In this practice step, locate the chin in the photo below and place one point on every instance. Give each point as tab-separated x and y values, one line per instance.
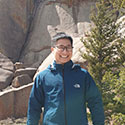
65	61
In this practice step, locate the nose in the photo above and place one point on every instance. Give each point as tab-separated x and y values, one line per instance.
65	50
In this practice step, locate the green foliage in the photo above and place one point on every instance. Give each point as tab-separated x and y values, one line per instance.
104	46
105	53
119	87
119	5
113	93
118	119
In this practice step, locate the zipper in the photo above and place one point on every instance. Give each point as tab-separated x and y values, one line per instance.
64	98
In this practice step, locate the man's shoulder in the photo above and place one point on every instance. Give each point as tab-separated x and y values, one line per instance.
79	68
44	72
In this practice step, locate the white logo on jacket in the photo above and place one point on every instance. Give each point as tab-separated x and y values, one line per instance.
77	86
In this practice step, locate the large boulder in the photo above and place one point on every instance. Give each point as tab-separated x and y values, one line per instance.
29	71
6	63
14	23
14	102
21	80
22	75
6	71
5	78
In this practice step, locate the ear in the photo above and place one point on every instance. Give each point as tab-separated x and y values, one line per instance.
52	49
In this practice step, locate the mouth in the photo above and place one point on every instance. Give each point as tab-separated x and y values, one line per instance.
64	57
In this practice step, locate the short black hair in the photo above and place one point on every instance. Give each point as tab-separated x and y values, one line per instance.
60	35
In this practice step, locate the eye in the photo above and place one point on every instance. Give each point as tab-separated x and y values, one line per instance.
61	47
69	47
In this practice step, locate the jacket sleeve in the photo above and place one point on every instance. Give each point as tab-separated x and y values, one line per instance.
36	102
94	101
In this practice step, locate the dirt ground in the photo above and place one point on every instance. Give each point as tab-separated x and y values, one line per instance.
19	121
13	121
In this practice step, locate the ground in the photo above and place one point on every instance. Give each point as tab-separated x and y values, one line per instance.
19	121
13	121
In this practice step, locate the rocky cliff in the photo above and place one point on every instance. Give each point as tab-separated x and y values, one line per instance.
26	26
14	24
53	17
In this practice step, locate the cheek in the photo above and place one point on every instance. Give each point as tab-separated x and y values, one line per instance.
70	54
57	54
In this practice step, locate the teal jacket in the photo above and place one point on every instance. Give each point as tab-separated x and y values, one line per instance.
64	91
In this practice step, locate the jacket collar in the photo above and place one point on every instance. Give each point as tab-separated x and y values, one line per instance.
66	66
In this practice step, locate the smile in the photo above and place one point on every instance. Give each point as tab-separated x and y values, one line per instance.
64	56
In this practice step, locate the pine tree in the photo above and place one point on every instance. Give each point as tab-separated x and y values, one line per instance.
113	92
105	53
103	44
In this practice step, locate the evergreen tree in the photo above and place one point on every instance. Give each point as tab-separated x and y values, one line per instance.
105	54
103	44
113	92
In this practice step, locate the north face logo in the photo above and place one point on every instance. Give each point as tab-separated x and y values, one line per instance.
77	86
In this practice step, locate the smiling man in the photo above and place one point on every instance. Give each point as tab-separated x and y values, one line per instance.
62	51
64	89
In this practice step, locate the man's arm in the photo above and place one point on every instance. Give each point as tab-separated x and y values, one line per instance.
36	102
94	101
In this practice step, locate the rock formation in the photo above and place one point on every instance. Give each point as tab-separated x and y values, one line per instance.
6	71
14	23
53	17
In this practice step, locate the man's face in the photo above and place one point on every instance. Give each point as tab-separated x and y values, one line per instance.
62	51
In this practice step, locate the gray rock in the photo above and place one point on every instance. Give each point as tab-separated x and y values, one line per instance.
121	29
5	78
29	71
83	27
14	102
6	63
21	80
6	71
14	21
19	65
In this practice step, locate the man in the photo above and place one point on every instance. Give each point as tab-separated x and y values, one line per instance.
64	89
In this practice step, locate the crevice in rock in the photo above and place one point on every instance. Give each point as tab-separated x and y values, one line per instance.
32	7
